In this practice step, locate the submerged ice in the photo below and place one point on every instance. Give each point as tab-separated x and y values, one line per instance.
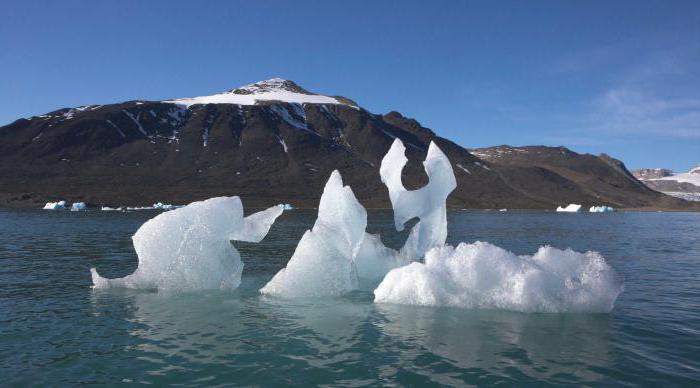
189	248
484	276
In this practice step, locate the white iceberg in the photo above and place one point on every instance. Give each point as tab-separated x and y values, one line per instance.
571	208
484	276
427	203
601	209
114	209
287	206
189	248
163	206
323	262
55	205
78	206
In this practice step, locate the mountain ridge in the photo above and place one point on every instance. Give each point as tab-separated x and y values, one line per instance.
279	144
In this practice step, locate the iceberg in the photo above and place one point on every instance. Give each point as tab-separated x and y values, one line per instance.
287	206
601	209
571	208
189	248
114	209
323	262
484	276
78	206
55	205
162	206
428	203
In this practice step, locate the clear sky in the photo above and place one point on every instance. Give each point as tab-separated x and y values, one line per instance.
620	77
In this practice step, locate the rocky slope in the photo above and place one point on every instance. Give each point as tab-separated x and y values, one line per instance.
272	142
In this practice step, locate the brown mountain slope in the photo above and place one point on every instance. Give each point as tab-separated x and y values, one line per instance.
141	152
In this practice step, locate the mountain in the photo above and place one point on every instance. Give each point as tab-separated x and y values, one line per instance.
273	141
684	185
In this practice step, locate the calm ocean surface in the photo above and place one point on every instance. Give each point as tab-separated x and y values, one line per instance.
54	330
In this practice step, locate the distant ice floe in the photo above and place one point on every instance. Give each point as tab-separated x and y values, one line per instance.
571	208
189	248
287	206
601	209
112	209
484	276
60	205
78	206
156	206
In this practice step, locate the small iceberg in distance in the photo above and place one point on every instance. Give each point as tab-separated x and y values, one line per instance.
571	208
78	206
287	206
60	205
601	209
112	209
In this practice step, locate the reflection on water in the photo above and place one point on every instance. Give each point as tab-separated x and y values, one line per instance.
55	330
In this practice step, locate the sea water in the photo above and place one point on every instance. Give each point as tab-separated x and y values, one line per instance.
56	330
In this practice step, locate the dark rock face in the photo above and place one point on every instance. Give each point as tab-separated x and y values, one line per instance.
140	152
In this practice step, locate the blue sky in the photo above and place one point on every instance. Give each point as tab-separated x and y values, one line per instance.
618	77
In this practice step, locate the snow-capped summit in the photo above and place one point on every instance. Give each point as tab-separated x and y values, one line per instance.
271	90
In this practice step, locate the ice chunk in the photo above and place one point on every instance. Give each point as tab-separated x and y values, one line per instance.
162	206
571	208
484	276
55	205
287	206
189	248
78	206
427	203
323	262
114	209
336	256
600	209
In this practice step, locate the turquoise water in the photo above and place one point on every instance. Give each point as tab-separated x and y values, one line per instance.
54	330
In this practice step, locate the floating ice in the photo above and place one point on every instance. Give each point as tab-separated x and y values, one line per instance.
571	208
287	206
55	205
427	203
601	209
162	206
114	209
78	206
484	276
189	248
323	262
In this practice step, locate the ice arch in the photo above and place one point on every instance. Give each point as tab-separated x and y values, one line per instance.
189	248
429	203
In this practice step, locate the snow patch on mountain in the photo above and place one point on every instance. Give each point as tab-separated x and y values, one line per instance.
275	89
